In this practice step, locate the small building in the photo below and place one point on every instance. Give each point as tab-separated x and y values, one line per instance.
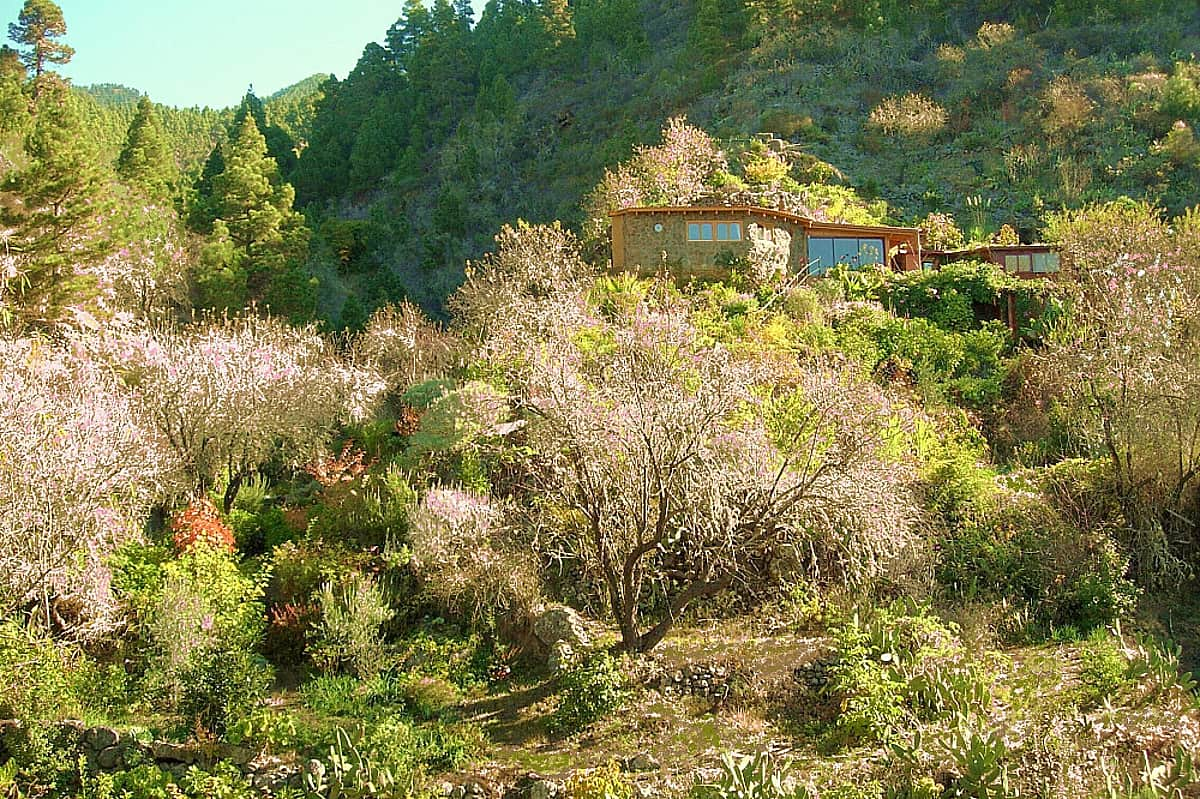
703	241
1023	260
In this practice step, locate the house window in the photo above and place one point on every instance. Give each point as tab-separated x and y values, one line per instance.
714	231
729	231
1018	263
825	252
1045	263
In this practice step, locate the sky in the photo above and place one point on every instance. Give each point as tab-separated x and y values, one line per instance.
207	52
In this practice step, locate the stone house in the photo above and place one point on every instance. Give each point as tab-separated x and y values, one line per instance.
704	241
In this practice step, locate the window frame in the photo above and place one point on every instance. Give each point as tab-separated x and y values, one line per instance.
714	228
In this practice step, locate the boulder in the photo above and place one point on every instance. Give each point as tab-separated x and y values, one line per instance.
99	738
110	758
168	752
642	761
560	623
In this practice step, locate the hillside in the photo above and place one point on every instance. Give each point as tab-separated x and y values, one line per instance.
1027	114
192	132
789	513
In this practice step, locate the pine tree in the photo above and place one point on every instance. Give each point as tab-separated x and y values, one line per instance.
557	22
53	204
14	108
270	239
707	35
39	27
146	161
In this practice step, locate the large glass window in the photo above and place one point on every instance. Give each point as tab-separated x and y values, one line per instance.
1045	262
826	252
714	231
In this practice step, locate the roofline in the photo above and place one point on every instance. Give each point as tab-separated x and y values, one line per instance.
787	216
990	247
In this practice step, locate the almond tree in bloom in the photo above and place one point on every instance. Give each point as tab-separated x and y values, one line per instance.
404	346
464	550
232	395
78	474
1127	359
678	171
694	471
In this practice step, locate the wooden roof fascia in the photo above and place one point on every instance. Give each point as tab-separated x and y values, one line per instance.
804	221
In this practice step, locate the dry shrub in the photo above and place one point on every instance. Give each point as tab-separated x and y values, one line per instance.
1068	109
468	557
909	115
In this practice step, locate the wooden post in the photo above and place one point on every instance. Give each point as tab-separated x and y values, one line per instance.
1012	312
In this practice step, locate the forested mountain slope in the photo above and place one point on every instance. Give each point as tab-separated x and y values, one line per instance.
995	112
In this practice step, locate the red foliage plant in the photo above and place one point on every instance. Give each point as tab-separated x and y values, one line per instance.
329	470
201	523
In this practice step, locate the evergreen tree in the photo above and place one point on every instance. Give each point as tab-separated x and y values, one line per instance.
268	240
407	32
53	204
146	161
557	22
14	109
707	35
39	27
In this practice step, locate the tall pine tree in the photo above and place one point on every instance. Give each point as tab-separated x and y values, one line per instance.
261	243
53	206
146	161
39	27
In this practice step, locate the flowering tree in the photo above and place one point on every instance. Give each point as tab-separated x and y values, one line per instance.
678	171
1128	361
230	396
78	473
531	264
462	547
404	346
693	472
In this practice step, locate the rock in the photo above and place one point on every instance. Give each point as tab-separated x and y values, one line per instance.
562	656
174	753
542	789
237	755
99	738
643	761
561	623
110	758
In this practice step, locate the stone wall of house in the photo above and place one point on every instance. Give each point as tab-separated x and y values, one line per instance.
649	251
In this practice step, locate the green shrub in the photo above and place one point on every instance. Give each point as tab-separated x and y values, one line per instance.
587	692
220	686
36	675
603	782
1103	670
347	635
260	531
371	510
424	697
900	663
332	695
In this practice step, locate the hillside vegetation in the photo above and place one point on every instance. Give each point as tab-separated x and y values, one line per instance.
269	528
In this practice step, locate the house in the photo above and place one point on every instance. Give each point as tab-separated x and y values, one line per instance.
1023	260
702	241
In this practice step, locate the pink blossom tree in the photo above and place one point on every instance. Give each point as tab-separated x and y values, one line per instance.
692	471
1126	360
678	171
78	474
231	395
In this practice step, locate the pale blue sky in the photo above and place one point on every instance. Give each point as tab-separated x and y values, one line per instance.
184	52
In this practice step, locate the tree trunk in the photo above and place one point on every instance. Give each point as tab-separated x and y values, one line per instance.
231	491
